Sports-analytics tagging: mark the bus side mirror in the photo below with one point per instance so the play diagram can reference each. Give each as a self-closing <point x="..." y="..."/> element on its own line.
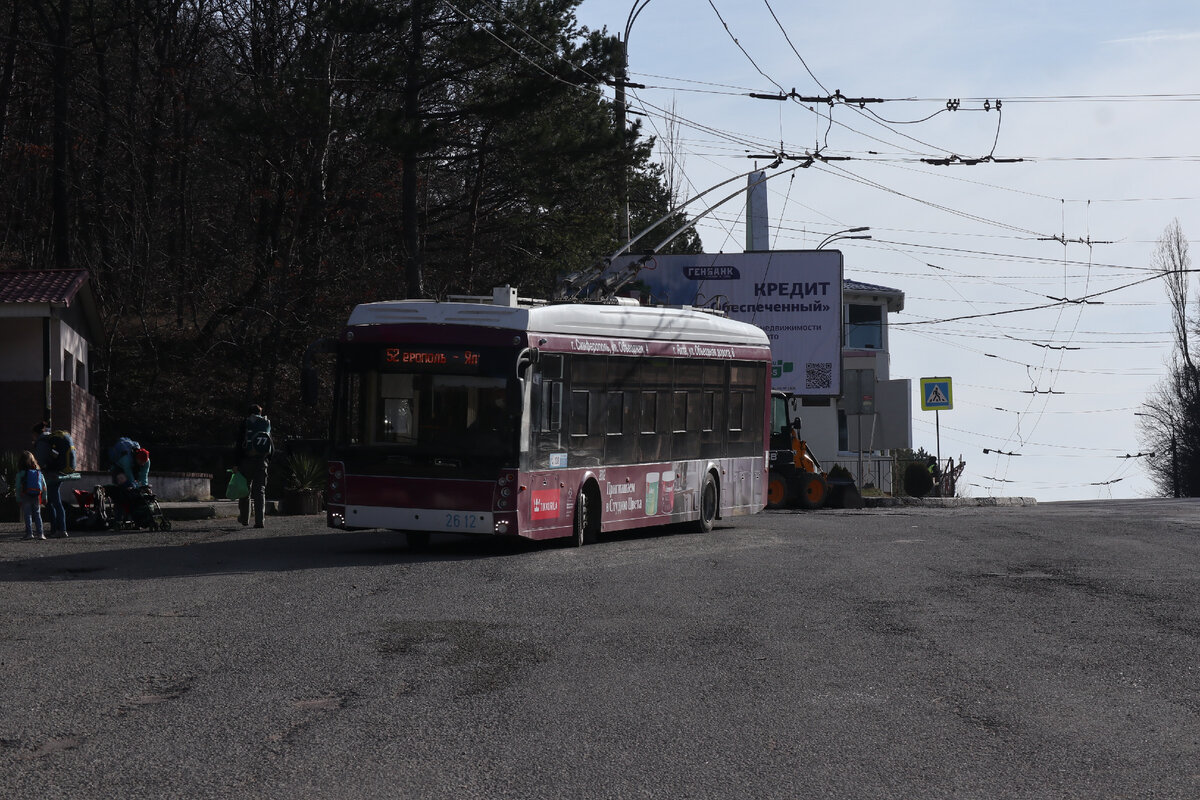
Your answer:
<point x="526" y="359"/>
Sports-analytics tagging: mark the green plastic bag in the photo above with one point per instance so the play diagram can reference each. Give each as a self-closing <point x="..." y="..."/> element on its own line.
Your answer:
<point x="237" y="488"/>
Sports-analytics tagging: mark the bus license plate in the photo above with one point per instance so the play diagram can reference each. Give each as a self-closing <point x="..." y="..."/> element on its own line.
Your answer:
<point x="461" y="522"/>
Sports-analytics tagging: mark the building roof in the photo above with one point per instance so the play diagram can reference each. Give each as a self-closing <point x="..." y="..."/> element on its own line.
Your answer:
<point x="894" y="298"/>
<point x="870" y="288"/>
<point x="54" y="286"/>
<point x="46" y="293"/>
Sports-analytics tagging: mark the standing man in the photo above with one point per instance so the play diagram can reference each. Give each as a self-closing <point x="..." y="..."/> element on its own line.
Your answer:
<point x="253" y="454"/>
<point x="47" y="455"/>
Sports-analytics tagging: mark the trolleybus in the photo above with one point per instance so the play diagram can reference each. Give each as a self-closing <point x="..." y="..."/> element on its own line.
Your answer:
<point x="524" y="418"/>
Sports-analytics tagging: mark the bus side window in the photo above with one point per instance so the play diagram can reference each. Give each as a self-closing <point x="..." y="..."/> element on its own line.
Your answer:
<point x="708" y="409"/>
<point x="580" y="412"/>
<point x="551" y="406"/>
<point x="735" y="411"/>
<point x="548" y="422"/>
<point x="551" y="367"/>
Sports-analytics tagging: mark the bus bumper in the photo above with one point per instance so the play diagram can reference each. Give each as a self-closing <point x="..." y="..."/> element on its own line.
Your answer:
<point x="433" y="520"/>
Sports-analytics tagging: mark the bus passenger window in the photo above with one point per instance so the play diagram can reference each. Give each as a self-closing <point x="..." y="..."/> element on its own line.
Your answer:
<point x="579" y="413"/>
<point x="735" y="411"/>
<point x="679" y="425"/>
<point x="551" y="406"/>
<point x="649" y="414"/>
<point x="551" y="366"/>
<point x="615" y="412"/>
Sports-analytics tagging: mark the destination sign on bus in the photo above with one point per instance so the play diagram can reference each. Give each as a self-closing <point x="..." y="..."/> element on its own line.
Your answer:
<point x="431" y="358"/>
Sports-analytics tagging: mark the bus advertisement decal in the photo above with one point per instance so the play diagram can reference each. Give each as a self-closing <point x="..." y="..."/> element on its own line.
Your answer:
<point x="545" y="504"/>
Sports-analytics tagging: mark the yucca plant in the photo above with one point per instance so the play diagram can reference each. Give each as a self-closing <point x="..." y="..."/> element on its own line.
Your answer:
<point x="305" y="471"/>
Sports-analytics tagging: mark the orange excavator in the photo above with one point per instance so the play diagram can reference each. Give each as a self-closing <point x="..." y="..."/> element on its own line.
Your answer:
<point x="795" y="477"/>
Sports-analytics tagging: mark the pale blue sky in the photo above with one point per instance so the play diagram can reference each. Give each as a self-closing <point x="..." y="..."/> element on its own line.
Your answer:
<point x="964" y="240"/>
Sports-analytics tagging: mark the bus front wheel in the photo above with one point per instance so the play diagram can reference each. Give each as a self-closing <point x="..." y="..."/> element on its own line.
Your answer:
<point x="708" y="504"/>
<point x="587" y="518"/>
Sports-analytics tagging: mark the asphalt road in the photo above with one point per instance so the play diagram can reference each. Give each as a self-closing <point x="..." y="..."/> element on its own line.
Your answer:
<point x="1028" y="652"/>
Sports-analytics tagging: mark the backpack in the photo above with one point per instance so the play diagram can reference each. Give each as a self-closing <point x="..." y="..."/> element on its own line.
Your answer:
<point x="123" y="446"/>
<point x="62" y="452"/>
<point x="258" y="436"/>
<point x="33" y="483"/>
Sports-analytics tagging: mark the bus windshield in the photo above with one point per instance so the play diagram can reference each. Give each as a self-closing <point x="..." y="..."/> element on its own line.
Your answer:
<point x="434" y="406"/>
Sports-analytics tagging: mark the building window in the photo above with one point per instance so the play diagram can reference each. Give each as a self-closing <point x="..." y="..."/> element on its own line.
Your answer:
<point x="864" y="327"/>
<point x="68" y="371"/>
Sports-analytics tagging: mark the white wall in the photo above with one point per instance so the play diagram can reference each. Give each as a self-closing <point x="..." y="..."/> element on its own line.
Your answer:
<point x="63" y="337"/>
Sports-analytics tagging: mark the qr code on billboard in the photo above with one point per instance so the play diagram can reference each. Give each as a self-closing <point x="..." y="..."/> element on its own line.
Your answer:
<point x="818" y="375"/>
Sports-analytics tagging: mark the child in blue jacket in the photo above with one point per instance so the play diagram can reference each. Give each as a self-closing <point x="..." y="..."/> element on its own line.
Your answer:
<point x="31" y="487"/>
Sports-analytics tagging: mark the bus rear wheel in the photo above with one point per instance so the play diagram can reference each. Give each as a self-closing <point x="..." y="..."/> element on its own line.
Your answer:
<point x="587" y="519"/>
<point x="708" y="504"/>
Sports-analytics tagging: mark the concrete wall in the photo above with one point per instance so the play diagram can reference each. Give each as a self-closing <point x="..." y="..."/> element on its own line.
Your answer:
<point x="167" y="486"/>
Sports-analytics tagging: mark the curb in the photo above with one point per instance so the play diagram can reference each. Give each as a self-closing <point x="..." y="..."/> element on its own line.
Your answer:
<point x="178" y="511"/>
<point x="947" y="502"/>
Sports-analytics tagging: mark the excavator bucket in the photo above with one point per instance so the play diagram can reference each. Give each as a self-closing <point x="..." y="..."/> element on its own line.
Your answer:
<point x="844" y="494"/>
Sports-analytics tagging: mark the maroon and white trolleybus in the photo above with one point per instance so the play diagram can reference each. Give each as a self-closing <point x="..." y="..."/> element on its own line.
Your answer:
<point x="523" y="418"/>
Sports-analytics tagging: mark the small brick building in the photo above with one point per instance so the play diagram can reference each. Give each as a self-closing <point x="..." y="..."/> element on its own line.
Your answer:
<point x="48" y="325"/>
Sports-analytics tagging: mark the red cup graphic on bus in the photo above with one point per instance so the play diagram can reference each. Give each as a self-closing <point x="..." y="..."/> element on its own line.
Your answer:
<point x="651" y="505"/>
<point x="666" y="492"/>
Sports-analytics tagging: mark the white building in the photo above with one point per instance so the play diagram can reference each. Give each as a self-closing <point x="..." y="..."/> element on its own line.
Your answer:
<point x="873" y="416"/>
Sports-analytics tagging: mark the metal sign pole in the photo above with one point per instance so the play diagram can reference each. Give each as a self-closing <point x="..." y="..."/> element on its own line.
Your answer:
<point x="937" y="427"/>
<point x="861" y="482"/>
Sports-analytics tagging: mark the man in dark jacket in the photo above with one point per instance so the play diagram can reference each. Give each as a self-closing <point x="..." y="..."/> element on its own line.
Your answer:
<point x="44" y="452"/>
<point x="253" y="454"/>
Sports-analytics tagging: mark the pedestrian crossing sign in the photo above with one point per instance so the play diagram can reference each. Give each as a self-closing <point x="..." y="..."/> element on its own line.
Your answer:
<point x="936" y="394"/>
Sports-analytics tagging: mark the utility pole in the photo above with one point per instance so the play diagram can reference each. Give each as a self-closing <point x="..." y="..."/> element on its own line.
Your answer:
<point x="623" y="232"/>
<point x="622" y="81"/>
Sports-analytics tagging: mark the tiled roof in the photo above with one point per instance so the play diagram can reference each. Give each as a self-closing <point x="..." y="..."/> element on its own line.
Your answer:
<point x="41" y="286"/>
<point x="859" y="286"/>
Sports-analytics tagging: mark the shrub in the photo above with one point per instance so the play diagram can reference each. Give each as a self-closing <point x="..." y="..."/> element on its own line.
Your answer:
<point x="917" y="480"/>
<point x="305" y="471"/>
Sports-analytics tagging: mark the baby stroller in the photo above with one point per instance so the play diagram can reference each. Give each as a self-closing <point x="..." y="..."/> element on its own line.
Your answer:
<point x="88" y="512"/>
<point x="122" y="507"/>
<point x="136" y="507"/>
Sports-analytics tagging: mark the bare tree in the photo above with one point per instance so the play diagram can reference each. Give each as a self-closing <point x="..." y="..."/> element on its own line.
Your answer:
<point x="1170" y="419"/>
<point x="672" y="156"/>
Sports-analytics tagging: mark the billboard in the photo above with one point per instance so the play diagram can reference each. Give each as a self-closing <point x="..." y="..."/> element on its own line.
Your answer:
<point x="794" y="296"/>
